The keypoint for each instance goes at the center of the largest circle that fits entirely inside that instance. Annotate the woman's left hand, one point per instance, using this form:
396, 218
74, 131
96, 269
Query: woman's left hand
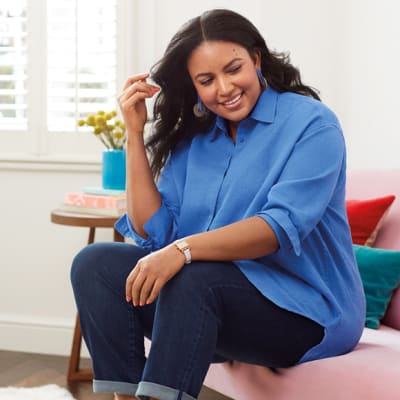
151, 273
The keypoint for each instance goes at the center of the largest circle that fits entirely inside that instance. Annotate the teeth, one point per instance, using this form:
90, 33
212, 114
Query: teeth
233, 100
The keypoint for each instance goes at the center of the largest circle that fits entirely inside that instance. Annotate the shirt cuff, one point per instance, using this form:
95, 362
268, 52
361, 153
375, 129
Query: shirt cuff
283, 227
159, 228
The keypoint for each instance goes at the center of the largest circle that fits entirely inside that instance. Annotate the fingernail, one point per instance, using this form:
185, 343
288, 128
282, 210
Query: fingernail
128, 299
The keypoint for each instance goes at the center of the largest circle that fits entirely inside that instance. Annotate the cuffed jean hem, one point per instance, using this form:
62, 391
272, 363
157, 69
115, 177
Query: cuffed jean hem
147, 389
126, 388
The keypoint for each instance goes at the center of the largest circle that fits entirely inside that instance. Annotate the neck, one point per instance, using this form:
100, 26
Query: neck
233, 126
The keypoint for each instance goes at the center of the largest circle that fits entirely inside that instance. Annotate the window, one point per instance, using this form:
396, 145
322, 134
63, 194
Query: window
81, 60
13, 64
59, 61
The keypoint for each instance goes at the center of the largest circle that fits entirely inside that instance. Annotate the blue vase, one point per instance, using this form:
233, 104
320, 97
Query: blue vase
114, 169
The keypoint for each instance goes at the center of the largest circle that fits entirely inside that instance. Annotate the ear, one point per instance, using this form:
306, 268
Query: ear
256, 56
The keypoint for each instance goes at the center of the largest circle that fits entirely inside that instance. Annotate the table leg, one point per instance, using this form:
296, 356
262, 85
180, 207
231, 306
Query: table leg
92, 232
74, 372
118, 237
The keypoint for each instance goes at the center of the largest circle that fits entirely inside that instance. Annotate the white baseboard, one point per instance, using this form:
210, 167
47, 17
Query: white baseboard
37, 335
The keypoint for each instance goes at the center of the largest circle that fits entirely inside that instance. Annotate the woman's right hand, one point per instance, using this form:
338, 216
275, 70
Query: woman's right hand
132, 102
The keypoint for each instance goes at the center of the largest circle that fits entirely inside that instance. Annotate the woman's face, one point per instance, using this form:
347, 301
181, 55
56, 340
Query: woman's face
225, 78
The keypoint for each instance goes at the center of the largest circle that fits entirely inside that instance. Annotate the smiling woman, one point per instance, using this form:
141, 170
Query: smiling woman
225, 77
332, 43
235, 238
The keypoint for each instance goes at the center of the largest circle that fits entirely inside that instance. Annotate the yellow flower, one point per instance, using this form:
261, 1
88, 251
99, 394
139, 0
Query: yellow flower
100, 120
91, 120
118, 135
107, 128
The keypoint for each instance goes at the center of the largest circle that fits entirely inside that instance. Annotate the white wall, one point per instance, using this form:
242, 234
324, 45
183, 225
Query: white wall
372, 87
347, 49
36, 303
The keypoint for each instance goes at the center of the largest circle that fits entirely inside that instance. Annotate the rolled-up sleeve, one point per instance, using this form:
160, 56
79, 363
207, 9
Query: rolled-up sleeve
299, 198
283, 228
161, 227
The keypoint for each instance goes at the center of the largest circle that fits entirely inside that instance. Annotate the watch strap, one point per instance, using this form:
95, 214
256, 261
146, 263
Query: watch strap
184, 248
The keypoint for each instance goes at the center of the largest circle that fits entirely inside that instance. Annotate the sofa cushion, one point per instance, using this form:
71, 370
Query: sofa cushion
370, 372
380, 273
366, 218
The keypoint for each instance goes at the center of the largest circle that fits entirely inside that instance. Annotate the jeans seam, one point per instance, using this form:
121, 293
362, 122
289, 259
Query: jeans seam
131, 342
131, 316
191, 357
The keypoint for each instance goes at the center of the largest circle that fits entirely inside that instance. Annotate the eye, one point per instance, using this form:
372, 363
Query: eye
234, 69
205, 82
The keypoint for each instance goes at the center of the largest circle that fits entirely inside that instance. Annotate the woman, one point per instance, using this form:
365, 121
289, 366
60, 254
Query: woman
244, 250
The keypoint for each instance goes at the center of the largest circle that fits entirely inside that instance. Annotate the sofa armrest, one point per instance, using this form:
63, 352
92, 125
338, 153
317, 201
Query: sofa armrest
392, 316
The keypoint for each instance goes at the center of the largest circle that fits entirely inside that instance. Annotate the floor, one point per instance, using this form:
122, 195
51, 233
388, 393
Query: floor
26, 370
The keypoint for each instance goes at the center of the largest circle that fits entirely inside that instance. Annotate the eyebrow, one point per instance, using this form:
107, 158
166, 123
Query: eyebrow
225, 68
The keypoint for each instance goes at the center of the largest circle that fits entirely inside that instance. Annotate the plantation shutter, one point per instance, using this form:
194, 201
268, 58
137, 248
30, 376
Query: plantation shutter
81, 60
13, 64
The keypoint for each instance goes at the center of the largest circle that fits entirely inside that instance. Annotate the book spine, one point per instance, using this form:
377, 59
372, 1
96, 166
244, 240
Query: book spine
102, 191
94, 201
110, 212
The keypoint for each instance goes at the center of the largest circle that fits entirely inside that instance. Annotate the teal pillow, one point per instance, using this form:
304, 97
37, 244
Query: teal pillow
380, 273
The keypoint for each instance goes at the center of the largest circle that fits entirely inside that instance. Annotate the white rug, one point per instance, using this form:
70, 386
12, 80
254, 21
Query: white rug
48, 392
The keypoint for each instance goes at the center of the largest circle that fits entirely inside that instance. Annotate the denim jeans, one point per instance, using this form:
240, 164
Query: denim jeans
208, 312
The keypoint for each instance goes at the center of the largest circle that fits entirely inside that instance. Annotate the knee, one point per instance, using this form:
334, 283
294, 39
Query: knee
83, 264
109, 261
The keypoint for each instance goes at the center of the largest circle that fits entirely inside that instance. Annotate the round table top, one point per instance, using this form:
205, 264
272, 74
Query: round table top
87, 220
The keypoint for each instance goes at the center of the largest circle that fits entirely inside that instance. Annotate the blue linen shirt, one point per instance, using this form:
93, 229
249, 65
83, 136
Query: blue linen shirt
288, 166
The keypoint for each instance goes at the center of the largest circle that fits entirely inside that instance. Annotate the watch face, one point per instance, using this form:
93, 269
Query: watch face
182, 245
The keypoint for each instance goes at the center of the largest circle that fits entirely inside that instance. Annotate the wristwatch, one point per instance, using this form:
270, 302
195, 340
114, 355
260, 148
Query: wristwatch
184, 248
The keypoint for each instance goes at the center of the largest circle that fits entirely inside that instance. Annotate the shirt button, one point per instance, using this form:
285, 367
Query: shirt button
241, 140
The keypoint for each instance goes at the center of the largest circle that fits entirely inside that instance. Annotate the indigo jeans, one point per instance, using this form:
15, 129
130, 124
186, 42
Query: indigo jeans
208, 312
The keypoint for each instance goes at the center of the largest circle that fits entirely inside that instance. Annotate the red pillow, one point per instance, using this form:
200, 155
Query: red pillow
366, 218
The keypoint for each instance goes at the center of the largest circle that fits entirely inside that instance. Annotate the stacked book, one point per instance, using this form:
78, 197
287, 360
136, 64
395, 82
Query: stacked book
96, 201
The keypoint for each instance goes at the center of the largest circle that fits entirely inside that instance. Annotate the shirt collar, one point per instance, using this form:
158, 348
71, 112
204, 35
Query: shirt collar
263, 111
265, 108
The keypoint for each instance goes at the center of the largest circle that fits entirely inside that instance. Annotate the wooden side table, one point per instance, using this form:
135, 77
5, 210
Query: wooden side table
92, 222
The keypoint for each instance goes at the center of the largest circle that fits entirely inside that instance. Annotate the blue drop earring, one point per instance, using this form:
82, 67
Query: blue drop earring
261, 78
198, 109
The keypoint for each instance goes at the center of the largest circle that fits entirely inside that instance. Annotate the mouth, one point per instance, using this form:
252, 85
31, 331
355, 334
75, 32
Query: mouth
233, 101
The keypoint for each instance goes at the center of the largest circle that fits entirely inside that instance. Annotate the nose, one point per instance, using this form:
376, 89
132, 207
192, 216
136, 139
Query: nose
224, 86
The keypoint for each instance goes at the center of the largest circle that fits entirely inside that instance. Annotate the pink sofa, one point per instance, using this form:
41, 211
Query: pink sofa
370, 372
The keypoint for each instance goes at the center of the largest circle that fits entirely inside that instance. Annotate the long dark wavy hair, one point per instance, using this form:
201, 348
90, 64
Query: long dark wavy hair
173, 108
